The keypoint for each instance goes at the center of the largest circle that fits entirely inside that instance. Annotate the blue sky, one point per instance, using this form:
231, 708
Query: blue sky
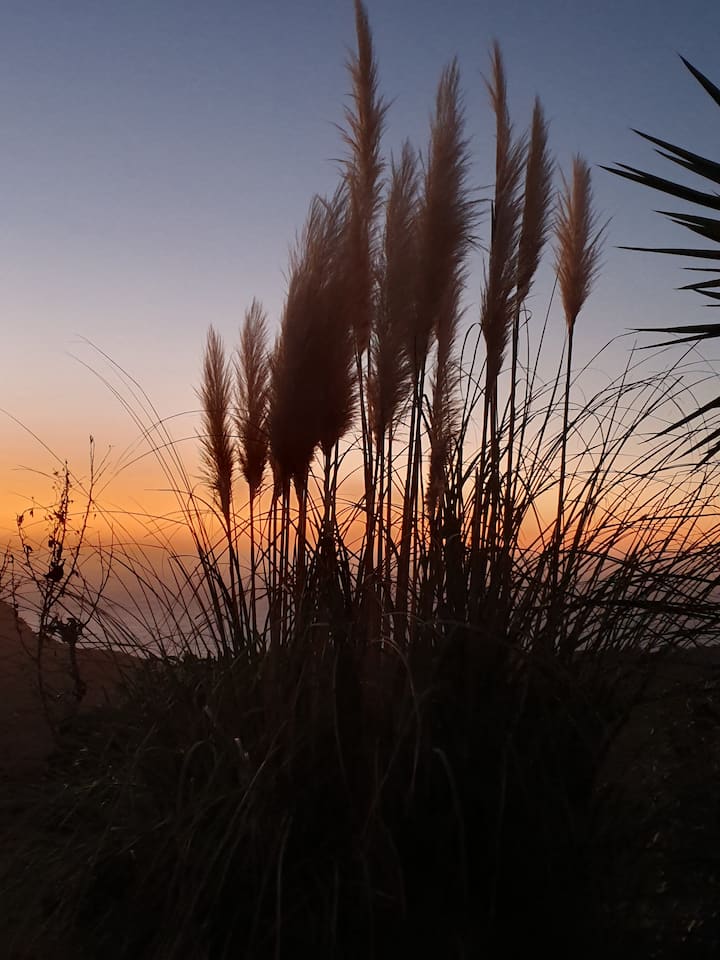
158, 157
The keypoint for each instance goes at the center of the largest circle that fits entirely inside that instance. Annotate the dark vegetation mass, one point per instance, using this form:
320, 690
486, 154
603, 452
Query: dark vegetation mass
402, 701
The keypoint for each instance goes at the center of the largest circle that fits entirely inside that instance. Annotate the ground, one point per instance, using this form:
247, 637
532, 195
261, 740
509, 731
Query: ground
659, 857
25, 734
666, 883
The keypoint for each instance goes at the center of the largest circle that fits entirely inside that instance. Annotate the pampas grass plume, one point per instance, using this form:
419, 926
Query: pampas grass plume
252, 370
536, 202
578, 239
216, 440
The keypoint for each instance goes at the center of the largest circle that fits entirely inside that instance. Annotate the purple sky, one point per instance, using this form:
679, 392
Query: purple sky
158, 157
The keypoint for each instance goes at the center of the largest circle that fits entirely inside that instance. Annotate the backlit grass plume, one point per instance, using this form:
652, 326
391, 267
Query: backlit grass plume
312, 391
445, 217
216, 397
252, 373
536, 203
578, 238
390, 368
499, 293
363, 170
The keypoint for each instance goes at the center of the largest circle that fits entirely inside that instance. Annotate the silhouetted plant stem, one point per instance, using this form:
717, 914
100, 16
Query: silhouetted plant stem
327, 520
284, 563
300, 544
234, 587
253, 572
389, 543
478, 531
412, 479
494, 488
366, 578
559, 523
379, 562
512, 413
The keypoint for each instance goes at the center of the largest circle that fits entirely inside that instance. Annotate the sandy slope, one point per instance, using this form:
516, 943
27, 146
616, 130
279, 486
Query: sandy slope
25, 734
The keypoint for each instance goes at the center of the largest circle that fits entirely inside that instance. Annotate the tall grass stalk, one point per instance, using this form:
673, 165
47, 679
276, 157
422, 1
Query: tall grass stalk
577, 264
252, 392
364, 167
496, 320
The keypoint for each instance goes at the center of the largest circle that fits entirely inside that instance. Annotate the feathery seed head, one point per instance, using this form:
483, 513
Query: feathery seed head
215, 395
445, 220
498, 297
312, 398
536, 203
578, 241
252, 370
390, 369
365, 120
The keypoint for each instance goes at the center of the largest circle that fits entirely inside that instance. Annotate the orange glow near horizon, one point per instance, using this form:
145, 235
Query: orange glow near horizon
138, 519
151, 518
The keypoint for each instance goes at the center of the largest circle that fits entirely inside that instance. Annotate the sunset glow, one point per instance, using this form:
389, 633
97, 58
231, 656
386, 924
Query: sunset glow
157, 167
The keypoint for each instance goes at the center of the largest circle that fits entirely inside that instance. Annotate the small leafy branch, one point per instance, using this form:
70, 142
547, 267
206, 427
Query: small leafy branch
64, 601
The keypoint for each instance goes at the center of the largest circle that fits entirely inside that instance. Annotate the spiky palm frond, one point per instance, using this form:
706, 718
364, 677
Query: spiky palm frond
706, 227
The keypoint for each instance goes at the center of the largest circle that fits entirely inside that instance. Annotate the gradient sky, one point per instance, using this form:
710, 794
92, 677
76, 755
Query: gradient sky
158, 157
